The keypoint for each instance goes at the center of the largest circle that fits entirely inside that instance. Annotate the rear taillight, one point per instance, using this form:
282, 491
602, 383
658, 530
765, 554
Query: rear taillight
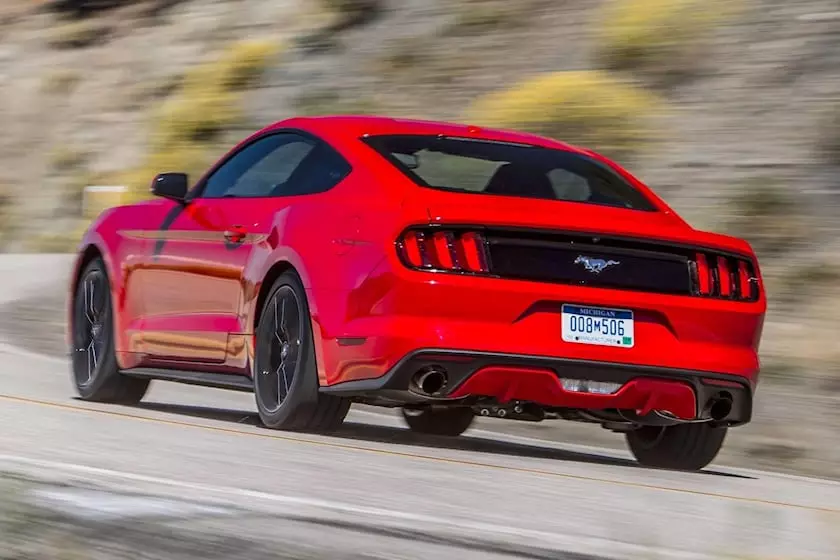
724, 277
444, 250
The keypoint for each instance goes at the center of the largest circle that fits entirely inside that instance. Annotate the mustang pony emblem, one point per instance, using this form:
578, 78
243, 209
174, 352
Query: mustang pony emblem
594, 265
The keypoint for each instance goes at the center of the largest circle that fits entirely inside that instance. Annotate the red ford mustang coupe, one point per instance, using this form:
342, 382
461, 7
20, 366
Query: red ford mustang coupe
447, 270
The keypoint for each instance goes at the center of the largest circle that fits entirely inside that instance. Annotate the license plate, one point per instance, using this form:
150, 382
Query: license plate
597, 325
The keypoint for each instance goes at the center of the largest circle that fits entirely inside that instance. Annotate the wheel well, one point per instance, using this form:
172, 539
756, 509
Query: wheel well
273, 274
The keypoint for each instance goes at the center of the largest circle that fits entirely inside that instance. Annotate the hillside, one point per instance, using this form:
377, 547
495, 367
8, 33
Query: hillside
730, 109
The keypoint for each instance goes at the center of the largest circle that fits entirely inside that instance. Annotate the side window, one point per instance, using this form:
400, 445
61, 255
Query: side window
568, 185
321, 170
278, 165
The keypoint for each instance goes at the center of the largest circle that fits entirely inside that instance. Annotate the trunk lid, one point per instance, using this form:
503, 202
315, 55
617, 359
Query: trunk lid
455, 208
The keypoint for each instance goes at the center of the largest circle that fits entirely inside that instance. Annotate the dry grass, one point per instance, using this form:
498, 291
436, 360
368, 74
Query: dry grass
60, 81
202, 106
78, 34
587, 108
482, 16
8, 216
828, 141
65, 158
330, 102
768, 214
661, 40
351, 13
64, 242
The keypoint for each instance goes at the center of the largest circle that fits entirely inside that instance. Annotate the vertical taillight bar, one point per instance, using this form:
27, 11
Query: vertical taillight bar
474, 253
723, 277
744, 283
704, 277
412, 245
445, 250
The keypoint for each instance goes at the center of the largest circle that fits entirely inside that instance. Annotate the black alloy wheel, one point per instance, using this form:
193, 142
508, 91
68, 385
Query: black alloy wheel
96, 374
286, 383
280, 353
93, 328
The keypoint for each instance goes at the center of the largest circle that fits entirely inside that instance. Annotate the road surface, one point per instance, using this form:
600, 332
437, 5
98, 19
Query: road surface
204, 445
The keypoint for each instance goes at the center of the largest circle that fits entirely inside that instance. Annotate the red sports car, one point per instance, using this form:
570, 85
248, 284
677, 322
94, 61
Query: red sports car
447, 270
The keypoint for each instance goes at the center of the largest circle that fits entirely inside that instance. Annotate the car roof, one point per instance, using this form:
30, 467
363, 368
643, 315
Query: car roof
357, 126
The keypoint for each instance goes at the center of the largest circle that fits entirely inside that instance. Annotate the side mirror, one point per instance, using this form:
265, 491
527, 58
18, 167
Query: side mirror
171, 185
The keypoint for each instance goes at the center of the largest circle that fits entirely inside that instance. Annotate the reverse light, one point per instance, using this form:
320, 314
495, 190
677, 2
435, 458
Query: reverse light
589, 386
444, 250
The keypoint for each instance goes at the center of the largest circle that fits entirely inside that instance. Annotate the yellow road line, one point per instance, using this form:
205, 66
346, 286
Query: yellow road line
403, 454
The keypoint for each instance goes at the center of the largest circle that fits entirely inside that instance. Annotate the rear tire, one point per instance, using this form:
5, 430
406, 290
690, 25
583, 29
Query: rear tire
285, 372
439, 422
96, 375
685, 447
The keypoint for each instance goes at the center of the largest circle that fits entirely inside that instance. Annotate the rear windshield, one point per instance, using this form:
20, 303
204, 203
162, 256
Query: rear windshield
507, 169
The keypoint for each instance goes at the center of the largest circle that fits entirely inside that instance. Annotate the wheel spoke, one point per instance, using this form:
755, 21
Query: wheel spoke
281, 344
91, 326
93, 294
90, 367
88, 301
93, 352
282, 324
278, 329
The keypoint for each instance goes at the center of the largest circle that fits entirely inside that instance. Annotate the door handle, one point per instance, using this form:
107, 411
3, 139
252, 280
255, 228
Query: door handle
236, 234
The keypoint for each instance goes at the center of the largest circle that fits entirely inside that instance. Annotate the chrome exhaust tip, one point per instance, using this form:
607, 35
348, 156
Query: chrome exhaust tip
430, 380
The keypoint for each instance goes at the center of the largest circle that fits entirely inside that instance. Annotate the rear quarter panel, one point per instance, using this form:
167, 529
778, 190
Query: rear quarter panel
333, 240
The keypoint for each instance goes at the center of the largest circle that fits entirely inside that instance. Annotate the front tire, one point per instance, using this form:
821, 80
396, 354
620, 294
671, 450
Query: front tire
285, 372
685, 447
96, 375
450, 422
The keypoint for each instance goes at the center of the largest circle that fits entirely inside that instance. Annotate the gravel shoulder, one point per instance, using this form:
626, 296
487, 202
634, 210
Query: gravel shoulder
45, 520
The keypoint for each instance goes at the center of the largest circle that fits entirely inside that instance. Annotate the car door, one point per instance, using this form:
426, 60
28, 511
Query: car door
274, 173
190, 288
191, 293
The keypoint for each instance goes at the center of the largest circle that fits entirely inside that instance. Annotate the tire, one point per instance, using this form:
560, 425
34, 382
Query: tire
439, 422
685, 447
285, 371
95, 373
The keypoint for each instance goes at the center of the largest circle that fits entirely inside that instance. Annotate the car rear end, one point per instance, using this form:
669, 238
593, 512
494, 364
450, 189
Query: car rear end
592, 310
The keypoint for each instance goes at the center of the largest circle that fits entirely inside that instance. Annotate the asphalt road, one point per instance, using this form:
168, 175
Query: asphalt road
187, 443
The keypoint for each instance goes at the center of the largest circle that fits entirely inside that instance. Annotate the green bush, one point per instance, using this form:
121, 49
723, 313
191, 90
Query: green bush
587, 108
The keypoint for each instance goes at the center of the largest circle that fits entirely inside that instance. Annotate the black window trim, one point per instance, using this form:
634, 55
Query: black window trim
197, 189
369, 140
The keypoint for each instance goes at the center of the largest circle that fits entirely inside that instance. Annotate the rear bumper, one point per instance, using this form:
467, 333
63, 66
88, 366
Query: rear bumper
535, 379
